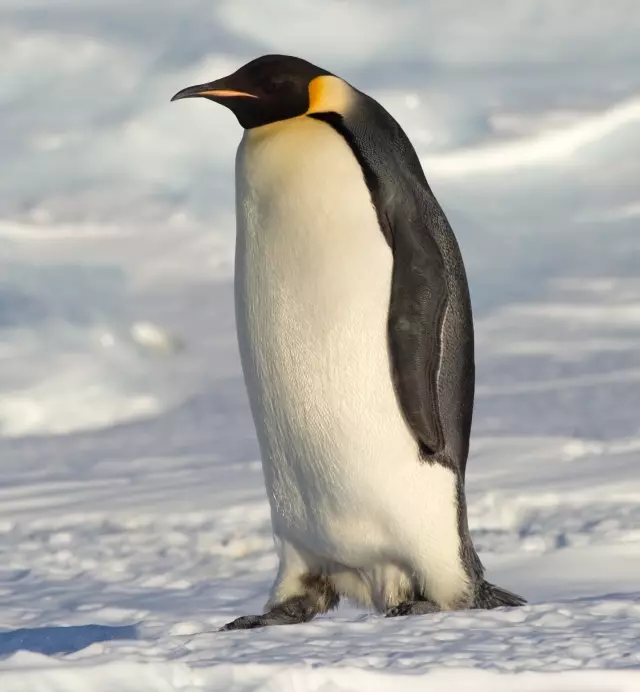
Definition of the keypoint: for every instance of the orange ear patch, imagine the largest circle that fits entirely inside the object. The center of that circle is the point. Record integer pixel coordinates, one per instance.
(329, 94)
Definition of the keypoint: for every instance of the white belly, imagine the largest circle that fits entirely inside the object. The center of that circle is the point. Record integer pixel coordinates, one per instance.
(313, 280)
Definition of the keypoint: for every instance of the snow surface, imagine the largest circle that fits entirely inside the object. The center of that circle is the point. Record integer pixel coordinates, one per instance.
(132, 513)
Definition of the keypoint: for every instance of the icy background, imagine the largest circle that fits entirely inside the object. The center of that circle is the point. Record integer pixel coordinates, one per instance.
(132, 516)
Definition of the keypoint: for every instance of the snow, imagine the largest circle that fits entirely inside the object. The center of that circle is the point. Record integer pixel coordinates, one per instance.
(133, 520)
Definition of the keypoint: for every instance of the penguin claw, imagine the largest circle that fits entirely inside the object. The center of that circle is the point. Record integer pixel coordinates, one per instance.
(246, 622)
(412, 608)
(397, 611)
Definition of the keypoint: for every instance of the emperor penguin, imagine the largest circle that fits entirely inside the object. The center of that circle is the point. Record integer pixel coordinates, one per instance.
(355, 334)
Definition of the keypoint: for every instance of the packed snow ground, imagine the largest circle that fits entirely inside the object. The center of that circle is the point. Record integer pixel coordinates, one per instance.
(133, 520)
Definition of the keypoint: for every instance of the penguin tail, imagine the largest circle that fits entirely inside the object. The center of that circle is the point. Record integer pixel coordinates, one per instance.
(490, 596)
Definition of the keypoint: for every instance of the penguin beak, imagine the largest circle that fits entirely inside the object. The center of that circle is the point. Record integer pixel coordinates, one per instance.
(216, 91)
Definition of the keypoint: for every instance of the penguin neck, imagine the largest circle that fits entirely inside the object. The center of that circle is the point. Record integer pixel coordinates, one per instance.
(330, 99)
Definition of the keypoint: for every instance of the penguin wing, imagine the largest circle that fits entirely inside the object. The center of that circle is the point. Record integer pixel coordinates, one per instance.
(430, 346)
(416, 315)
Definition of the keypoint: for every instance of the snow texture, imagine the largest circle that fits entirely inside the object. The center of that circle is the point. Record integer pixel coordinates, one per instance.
(133, 519)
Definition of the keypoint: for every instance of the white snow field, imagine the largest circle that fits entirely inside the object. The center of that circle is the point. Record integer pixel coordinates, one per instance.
(133, 521)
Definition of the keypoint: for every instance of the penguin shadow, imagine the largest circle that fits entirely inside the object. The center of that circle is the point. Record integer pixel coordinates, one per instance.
(62, 640)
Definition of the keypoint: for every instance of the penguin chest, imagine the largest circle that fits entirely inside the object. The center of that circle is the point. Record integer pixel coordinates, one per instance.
(313, 281)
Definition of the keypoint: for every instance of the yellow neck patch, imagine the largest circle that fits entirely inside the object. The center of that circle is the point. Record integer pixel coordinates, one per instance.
(329, 93)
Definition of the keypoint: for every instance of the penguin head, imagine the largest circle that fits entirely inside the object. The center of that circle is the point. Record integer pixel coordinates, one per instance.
(268, 89)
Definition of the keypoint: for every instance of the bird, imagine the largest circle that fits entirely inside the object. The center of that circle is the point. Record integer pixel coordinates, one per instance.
(355, 333)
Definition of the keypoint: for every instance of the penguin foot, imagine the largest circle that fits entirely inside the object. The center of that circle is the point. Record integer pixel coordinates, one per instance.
(291, 612)
(320, 597)
(246, 622)
(413, 608)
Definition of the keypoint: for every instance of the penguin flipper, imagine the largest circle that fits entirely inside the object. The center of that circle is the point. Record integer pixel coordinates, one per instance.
(416, 313)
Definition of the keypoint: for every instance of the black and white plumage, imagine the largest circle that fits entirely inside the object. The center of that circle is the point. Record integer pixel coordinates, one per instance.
(356, 338)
